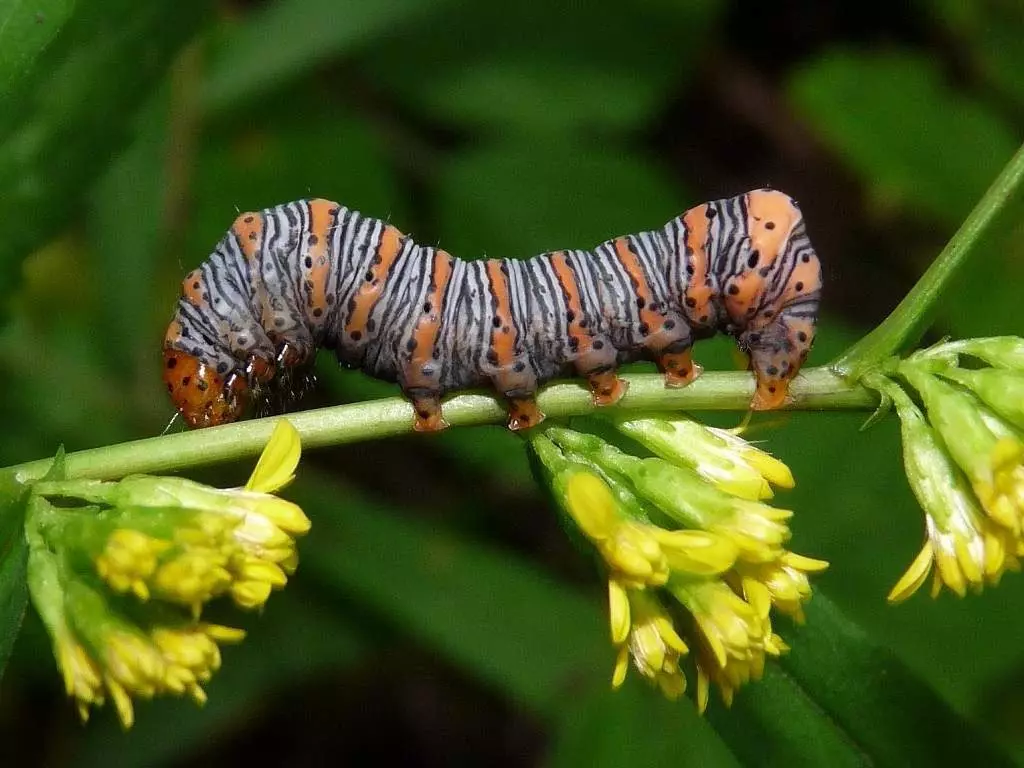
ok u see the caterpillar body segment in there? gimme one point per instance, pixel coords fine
(290, 279)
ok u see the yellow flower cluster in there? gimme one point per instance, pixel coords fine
(964, 457)
(103, 655)
(214, 542)
(695, 560)
(169, 546)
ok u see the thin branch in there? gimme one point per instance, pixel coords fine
(815, 389)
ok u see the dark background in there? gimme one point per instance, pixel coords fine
(440, 615)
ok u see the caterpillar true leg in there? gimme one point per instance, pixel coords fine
(776, 353)
(428, 413)
(596, 359)
(606, 388)
(678, 366)
(523, 413)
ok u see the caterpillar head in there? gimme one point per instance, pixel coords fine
(202, 396)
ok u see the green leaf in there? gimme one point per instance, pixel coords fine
(511, 625)
(305, 151)
(917, 143)
(557, 66)
(880, 705)
(634, 725)
(13, 559)
(774, 722)
(284, 39)
(538, 95)
(838, 698)
(26, 28)
(990, 35)
(76, 111)
(127, 228)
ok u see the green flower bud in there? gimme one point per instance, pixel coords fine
(1001, 390)
(719, 456)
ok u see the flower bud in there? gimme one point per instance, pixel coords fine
(1002, 391)
(719, 456)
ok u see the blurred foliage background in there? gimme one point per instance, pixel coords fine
(440, 616)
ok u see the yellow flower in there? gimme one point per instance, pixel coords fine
(81, 674)
(639, 553)
(967, 550)
(618, 611)
(757, 530)
(732, 636)
(1002, 493)
(192, 654)
(992, 459)
(276, 466)
(103, 655)
(644, 632)
(721, 572)
(967, 547)
(128, 560)
(171, 544)
(719, 456)
(236, 504)
(133, 661)
(782, 583)
(193, 577)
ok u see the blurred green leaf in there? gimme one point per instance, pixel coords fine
(882, 707)
(991, 31)
(604, 728)
(511, 625)
(838, 698)
(329, 152)
(774, 722)
(579, 196)
(985, 300)
(282, 40)
(537, 95)
(126, 228)
(26, 28)
(916, 142)
(76, 111)
(555, 66)
(13, 558)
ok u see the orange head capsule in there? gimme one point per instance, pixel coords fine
(201, 395)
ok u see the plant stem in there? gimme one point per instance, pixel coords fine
(912, 315)
(815, 389)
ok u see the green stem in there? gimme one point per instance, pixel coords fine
(911, 317)
(817, 388)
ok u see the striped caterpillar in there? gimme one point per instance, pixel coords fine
(290, 279)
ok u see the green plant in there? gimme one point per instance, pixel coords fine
(837, 697)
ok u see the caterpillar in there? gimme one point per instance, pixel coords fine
(290, 279)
